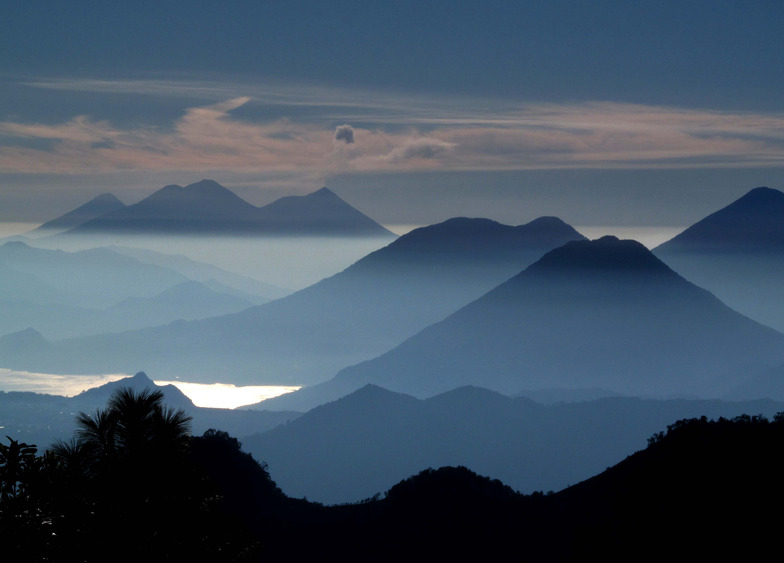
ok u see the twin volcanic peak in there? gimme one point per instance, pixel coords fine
(208, 208)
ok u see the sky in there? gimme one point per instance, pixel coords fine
(622, 113)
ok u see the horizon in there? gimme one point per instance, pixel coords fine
(599, 113)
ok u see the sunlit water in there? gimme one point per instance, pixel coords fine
(227, 396)
(218, 395)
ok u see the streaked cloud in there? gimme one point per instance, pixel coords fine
(388, 133)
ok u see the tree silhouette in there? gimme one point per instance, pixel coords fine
(136, 427)
(17, 459)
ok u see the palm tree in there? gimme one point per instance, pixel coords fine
(95, 435)
(133, 427)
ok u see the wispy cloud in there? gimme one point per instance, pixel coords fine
(353, 131)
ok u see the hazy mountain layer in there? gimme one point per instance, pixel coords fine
(95, 278)
(360, 445)
(308, 336)
(71, 294)
(604, 313)
(216, 278)
(738, 254)
(96, 207)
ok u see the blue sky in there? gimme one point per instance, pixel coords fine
(603, 113)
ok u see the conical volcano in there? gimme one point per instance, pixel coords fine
(753, 223)
(604, 313)
(738, 254)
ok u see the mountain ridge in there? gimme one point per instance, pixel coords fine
(642, 330)
(308, 336)
(737, 253)
(206, 207)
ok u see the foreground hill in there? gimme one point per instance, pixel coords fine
(738, 254)
(605, 313)
(361, 444)
(703, 489)
(306, 337)
(207, 208)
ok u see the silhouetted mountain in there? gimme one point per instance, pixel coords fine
(349, 449)
(96, 207)
(738, 254)
(720, 473)
(355, 315)
(206, 207)
(753, 223)
(100, 395)
(702, 489)
(603, 313)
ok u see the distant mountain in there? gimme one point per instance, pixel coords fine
(100, 395)
(27, 287)
(72, 294)
(306, 337)
(213, 277)
(753, 223)
(738, 254)
(96, 207)
(352, 448)
(207, 208)
(604, 313)
(188, 300)
(92, 278)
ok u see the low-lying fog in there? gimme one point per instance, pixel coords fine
(287, 262)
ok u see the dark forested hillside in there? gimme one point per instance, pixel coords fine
(133, 481)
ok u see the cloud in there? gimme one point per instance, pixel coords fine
(344, 133)
(474, 137)
(425, 148)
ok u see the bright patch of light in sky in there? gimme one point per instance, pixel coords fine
(227, 396)
(650, 237)
(402, 229)
(52, 384)
(9, 229)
